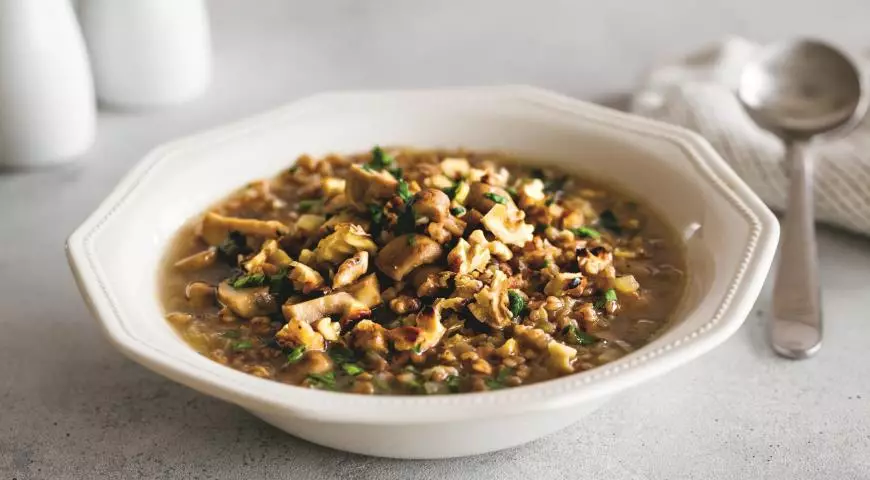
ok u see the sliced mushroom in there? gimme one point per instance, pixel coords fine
(215, 228)
(366, 291)
(198, 261)
(246, 302)
(305, 279)
(481, 195)
(368, 186)
(351, 269)
(346, 240)
(455, 167)
(307, 224)
(594, 260)
(496, 248)
(435, 205)
(566, 283)
(298, 333)
(405, 253)
(508, 225)
(200, 294)
(532, 193)
(341, 303)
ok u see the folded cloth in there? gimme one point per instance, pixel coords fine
(697, 92)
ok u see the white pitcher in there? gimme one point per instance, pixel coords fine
(147, 53)
(47, 107)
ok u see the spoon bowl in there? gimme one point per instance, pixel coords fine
(802, 89)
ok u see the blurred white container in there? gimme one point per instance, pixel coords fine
(47, 108)
(147, 53)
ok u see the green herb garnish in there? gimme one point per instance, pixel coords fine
(310, 204)
(325, 381)
(406, 222)
(512, 191)
(402, 191)
(380, 159)
(579, 336)
(586, 232)
(249, 281)
(243, 345)
(352, 369)
(412, 239)
(377, 213)
(610, 295)
(608, 220)
(458, 211)
(397, 172)
(296, 354)
(341, 354)
(232, 246)
(495, 198)
(452, 383)
(418, 349)
(516, 303)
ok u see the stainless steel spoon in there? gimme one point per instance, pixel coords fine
(798, 90)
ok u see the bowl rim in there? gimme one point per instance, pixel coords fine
(266, 395)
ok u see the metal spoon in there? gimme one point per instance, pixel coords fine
(798, 90)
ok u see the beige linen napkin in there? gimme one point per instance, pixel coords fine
(697, 92)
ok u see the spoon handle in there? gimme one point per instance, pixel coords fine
(796, 326)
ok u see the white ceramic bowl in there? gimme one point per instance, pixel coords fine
(730, 237)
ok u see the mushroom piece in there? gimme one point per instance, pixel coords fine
(565, 283)
(307, 224)
(366, 291)
(198, 261)
(346, 240)
(298, 333)
(215, 228)
(340, 303)
(481, 197)
(435, 205)
(246, 302)
(351, 269)
(490, 305)
(305, 279)
(405, 253)
(455, 167)
(506, 223)
(428, 330)
(200, 294)
(365, 186)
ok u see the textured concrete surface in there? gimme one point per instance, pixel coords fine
(71, 407)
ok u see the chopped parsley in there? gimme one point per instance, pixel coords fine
(586, 232)
(381, 160)
(495, 198)
(402, 191)
(406, 222)
(516, 303)
(610, 295)
(377, 213)
(498, 382)
(579, 336)
(608, 220)
(452, 383)
(232, 246)
(249, 281)
(296, 354)
(512, 191)
(242, 345)
(458, 211)
(412, 239)
(310, 204)
(280, 285)
(451, 190)
(352, 369)
(418, 349)
(325, 381)
(341, 354)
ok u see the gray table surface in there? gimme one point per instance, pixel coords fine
(72, 407)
